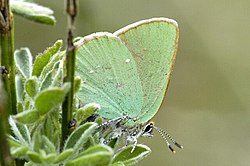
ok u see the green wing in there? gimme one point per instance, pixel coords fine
(153, 44)
(109, 75)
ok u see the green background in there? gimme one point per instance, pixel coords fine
(207, 106)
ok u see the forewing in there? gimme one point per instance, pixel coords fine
(153, 44)
(109, 75)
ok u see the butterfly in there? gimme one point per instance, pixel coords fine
(127, 72)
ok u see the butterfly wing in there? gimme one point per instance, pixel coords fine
(109, 75)
(153, 44)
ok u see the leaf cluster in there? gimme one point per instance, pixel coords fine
(37, 126)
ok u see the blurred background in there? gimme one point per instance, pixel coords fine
(207, 108)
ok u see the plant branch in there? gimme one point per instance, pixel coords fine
(71, 9)
(7, 54)
(7, 76)
(5, 157)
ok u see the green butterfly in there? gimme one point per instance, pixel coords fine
(127, 73)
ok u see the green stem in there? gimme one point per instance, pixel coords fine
(7, 101)
(7, 60)
(7, 55)
(70, 72)
(5, 157)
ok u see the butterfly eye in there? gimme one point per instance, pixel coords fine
(148, 128)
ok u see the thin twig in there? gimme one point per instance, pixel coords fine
(71, 9)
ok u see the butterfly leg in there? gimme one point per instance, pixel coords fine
(132, 139)
(135, 143)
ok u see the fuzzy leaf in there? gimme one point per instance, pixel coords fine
(58, 76)
(46, 82)
(63, 156)
(20, 131)
(23, 59)
(118, 164)
(66, 87)
(95, 159)
(31, 86)
(19, 151)
(51, 127)
(86, 111)
(48, 145)
(125, 156)
(34, 157)
(49, 99)
(19, 107)
(49, 77)
(27, 117)
(57, 57)
(77, 84)
(50, 158)
(13, 142)
(33, 12)
(43, 59)
(37, 143)
(95, 156)
(79, 136)
(95, 149)
(19, 88)
(27, 103)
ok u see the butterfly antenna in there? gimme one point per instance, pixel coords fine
(164, 134)
(108, 122)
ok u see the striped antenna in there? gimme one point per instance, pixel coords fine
(113, 121)
(164, 134)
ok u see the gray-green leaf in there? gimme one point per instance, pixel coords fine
(86, 111)
(34, 157)
(23, 59)
(99, 155)
(63, 156)
(27, 117)
(77, 84)
(19, 151)
(126, 157)
(31, 86)
(49, 99)
(95, 149)
(49, 147)
(20, 131)
(19, 88)
(37, 143)
(79, 136)
(43, 59)
(33, 12)
(118, 164)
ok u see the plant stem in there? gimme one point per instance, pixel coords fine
(7, 101)
(7, 54)
(5, 157)
(71, 8)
